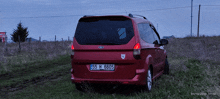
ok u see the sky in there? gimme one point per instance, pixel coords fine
(47, 18)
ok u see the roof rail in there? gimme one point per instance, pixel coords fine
(88, 15)
(132, 15)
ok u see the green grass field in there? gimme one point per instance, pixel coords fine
(194, 74)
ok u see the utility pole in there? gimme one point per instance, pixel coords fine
(191, 15)
(198, 21)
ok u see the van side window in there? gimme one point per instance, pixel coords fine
(141, 32)
(146, 32)
(156, 38)
(155, 35)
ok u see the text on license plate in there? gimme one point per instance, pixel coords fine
(107, 67)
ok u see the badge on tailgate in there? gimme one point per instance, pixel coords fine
(122, 56)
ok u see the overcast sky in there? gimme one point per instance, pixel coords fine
(47, 18)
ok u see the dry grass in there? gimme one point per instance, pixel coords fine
(31, 52)
(204, 49)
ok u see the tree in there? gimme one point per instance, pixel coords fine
(20, 31)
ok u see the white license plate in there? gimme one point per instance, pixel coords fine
(105, 67)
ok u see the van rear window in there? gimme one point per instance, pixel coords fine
(104, 31)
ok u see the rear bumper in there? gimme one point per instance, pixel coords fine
(137, 80)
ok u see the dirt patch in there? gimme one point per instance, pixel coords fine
(21, 85)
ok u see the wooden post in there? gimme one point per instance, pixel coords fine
(29, 42)
(68, 38)
(39, 39)
(62, 42)
(19, 44)
(6, 42)
(198, 21)
(55, 39)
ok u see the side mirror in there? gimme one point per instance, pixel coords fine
(155, 42)
(163, 42)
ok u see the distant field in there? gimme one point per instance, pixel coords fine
(30, 52)
(42, 70)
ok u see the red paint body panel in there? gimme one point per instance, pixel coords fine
(128, 70)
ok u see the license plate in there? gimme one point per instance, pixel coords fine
(104, 67)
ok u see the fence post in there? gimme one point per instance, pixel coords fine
(19, 44)
(29, 42)
(55, 39)
(68, 38)
(62, 42)
(6, 42)
(39, 39)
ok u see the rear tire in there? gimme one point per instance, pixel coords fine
(166, 68)
(148, 80)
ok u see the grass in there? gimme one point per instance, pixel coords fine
(33, 69)
(45, 70)
(179, 84)
(194, 73)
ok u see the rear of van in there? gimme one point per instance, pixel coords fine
(105, 50)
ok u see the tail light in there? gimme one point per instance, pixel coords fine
(72, 53)
(72, 47)
(137, 51)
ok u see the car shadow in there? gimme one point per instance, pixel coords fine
(127, 90)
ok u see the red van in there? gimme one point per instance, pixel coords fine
(117, 49)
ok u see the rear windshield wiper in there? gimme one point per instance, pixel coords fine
(109, 44)
(101, 44)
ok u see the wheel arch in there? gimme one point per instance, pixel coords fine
(149, 63)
